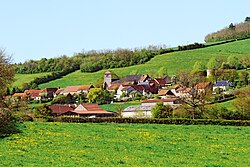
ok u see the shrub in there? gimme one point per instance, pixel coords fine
(8, 123)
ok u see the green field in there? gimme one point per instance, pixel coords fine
(71, 144)
(25, 78)
(175, 61)
(112, 107)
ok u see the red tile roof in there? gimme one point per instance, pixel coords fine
(160, 81)
(19, 95)
(203, 85)
(33, 93)
(90, 109)
(61, 109)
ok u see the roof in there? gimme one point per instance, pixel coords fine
(164, 92)
(136, 108)
(90, 109)
(202, 85)
(144, 78)
(159, 100)
(223, 83)
(69, 89)
(49, 89)
(160, 81)
(33, 93)
(61, 109)
(114, 86)
(132, 78)
(19, 95)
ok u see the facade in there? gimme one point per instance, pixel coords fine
(168, 101)
(137, 112)
(223, 85)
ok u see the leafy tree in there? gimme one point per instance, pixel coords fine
(198, 67)
(97, 95)
(162, 111)
(233, 62)
(243, 77)
(214, 63)
(8, 123)
(43, 111)
(242, 102)
(245, 61)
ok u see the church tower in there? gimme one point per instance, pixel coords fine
(107, 79)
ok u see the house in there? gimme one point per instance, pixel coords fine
(180, 90)
(159, 82)
(224, 85)
(33, 94)
(92, 110)
(48, 93)
(204, 86)
(82, 110)
(137, 112)
(75, 90)
(58, 109)
(168, 101)
(19, 95)
(164, 94)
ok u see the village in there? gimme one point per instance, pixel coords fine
(77, 101)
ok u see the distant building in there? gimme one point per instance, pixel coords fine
(222, 84)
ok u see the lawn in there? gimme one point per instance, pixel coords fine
(25, 78)
(72, 144)
(173, 62)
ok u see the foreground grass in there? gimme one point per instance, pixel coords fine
(173, 62)
(68, 144)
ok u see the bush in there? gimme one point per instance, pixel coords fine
(8, 123)
(177, 121)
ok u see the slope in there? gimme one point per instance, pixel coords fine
(173, 62)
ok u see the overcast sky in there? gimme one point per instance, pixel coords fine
(51, 28)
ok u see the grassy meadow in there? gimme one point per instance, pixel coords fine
(25, 78)
(173, 62)
(72, 144)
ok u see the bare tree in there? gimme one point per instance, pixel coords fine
(7, 72)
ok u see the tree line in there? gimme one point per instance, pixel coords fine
(91, 61)
(233, 31)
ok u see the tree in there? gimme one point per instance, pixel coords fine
(119, 109)
(245, 61)
(195, 103)
(214, 63)
(243, 77)
(233, 62)
(242, 102)
(198, 67)
(43, 111)
(97, 95)
(162, 111)
(7, 72)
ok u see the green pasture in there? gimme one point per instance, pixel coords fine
(173, 62)
(25, 78)
(72, 144)
(112, 107)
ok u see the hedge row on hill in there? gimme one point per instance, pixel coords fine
(177, 121)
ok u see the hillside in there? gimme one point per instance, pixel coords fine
(25, 78)
(233, 31)
(175, 61)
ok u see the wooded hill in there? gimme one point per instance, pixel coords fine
(233, 31)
